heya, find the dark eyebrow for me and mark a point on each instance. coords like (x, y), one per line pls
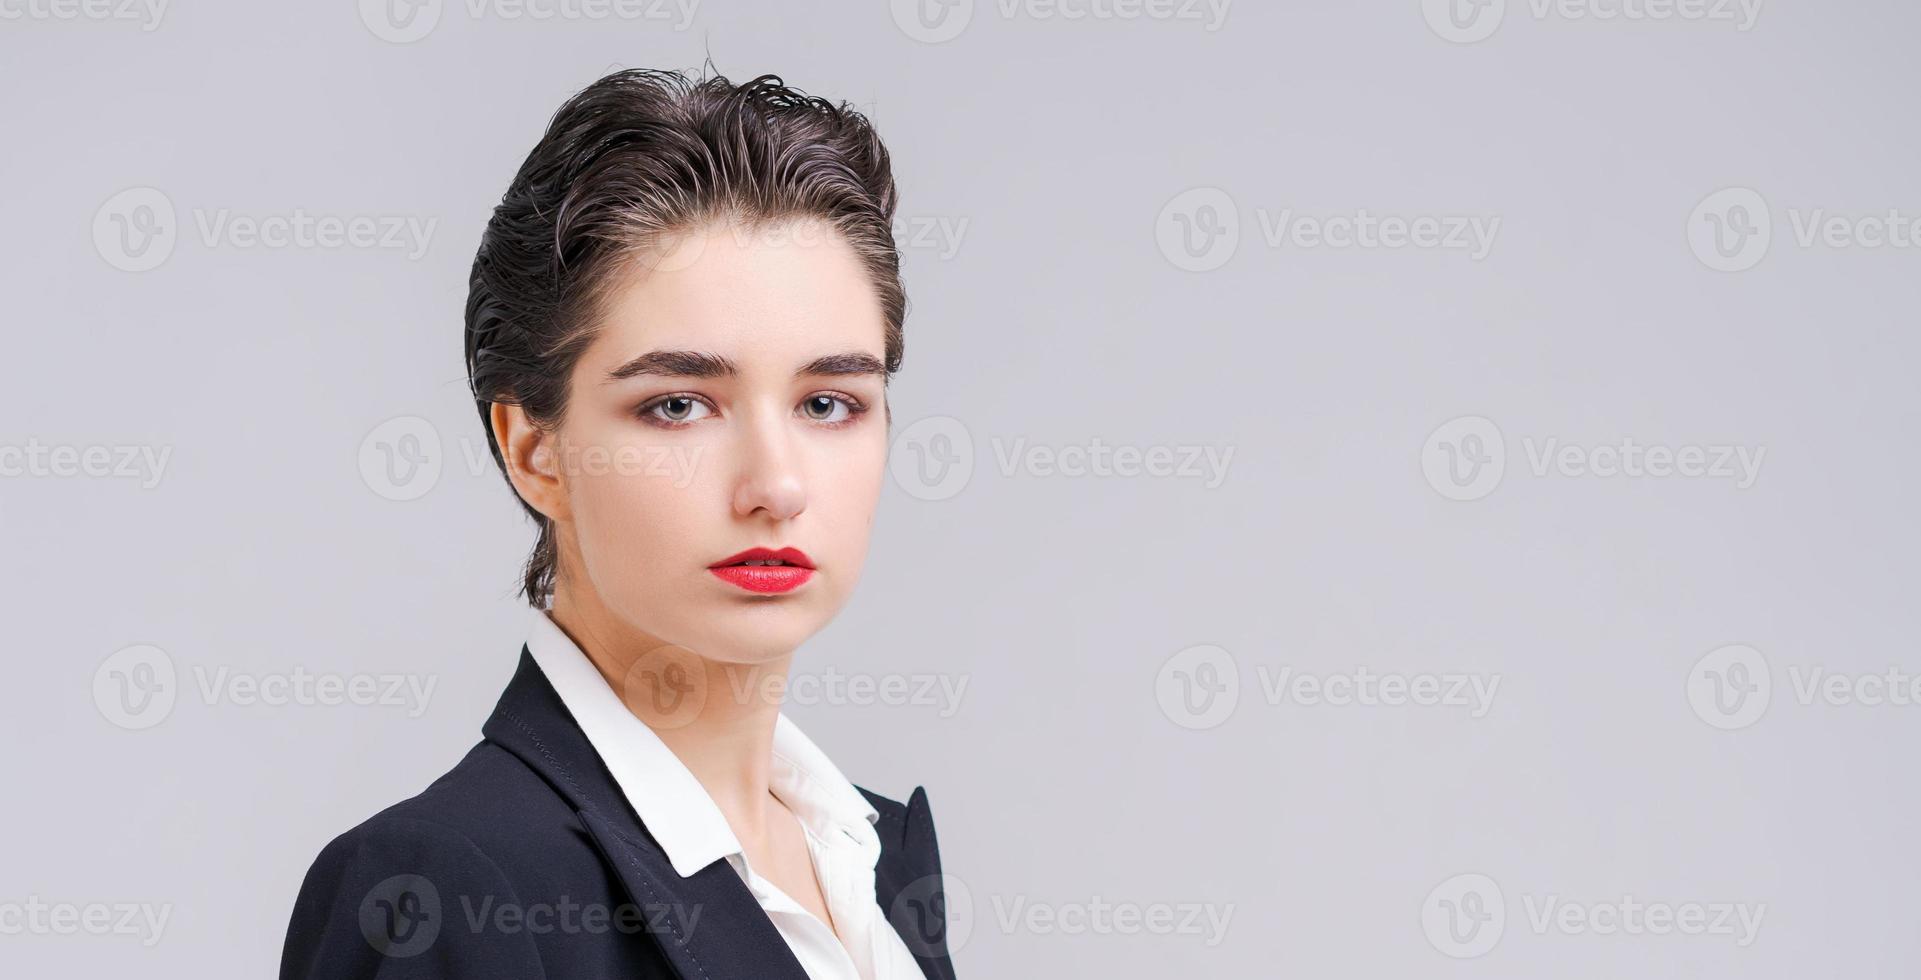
(675, 363)
(841, 365)
(698, 364)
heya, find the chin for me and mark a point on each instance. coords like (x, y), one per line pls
(754, 630)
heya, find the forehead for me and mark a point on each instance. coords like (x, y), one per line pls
(778, 293)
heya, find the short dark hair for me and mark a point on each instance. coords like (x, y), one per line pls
(630, 161)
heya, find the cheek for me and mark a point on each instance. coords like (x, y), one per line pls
(638, 515)
(845, 493)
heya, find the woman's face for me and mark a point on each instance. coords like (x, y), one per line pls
(732, 399)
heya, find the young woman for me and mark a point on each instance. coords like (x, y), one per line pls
(681, 324)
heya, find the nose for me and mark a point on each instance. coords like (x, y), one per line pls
(769, 480)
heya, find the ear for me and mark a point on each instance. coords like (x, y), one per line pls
(532, 457)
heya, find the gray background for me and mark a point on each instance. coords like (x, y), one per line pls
(1054, 146)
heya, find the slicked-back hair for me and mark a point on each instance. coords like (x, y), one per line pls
(630, 162)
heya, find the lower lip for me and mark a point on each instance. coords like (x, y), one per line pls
(764, 579)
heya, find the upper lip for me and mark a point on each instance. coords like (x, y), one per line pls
(792, 556)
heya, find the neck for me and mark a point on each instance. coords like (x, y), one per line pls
(717, 717)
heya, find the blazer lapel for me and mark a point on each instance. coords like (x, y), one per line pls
(708, 925)
(909, 886)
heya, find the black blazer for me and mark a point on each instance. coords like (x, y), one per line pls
(525, 861)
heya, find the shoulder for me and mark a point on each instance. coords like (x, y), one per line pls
(396, 884)
(490, 808)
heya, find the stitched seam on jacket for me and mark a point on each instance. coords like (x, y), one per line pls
(549, 756)
(679, 940)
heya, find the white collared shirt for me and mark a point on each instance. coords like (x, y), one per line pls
(679, 813)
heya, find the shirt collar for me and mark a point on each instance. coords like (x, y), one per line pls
(675, 808)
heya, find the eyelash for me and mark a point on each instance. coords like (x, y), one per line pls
(855, 409)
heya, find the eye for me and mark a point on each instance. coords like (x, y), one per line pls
(831, 408)
(676, 410)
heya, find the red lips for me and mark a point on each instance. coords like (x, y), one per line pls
(794, 570)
